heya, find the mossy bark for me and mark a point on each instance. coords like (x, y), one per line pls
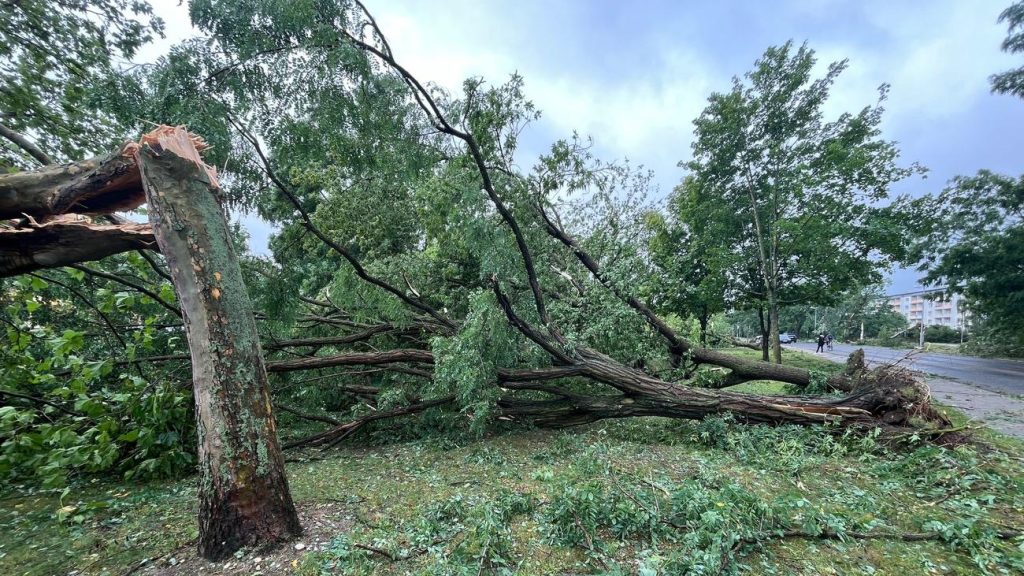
(243, 495)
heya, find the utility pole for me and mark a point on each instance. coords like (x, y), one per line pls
(921, 337)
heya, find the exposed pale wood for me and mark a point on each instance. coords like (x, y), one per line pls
(64, 242)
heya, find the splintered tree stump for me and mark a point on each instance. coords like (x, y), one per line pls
(243, 495)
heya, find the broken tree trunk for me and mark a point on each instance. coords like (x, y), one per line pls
(243, 496)
(886, 397)
(63, 242)
(40, 233)
(889, 397)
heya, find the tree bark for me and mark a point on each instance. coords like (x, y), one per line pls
(764, 334)
(65, 242)
(773, 325)
(19, 140)
(243, 493)
(100, 185)
(889, 398)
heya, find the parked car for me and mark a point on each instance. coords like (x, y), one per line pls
(787, 338)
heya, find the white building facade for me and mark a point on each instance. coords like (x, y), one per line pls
(932, 307)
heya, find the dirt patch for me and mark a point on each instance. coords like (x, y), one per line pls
(322, 522)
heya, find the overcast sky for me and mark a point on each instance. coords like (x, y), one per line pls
(634, 75)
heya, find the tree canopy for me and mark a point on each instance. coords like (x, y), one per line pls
(416, 268)
(61, 67)
(1012, 81)
(798, 198)
(975, 246)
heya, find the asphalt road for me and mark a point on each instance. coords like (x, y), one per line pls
(1003, 376)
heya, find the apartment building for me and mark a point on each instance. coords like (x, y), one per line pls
(932, 307)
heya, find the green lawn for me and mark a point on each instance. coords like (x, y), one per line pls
(796, 358)
(647, 496)
(643, 496)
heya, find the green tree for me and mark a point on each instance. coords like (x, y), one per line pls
(975, 246)
(803, 191)
(861, 308)
(60, 71)
(1012, 81)
(410, 241)
(690, 252)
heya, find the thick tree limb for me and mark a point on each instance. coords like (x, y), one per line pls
(742, 370)
(341, 340)
(677, 344)
(97, 186)
(525, 328)
(352, 359)
(63, 242)
(690, 404)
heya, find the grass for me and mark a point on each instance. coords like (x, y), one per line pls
(589, 500)
(639, 496)
(795, 358)
(98, 528)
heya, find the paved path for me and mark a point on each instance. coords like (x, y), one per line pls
(1002, 376)
(982, 388)
(999, 412)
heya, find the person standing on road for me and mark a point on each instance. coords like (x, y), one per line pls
(828, 341)
(821, 343)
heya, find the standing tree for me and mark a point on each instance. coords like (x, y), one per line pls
(243, 495)
(975, 241)
(975, 246)
(862, 312)
(802, 191)
(691, 254)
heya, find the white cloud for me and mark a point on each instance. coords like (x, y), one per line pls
(648, 121)
(936, 56)
(177, 27)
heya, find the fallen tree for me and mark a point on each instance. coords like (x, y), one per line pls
(63, 241)
(636, 390)
(551, 374)
(38, 228)
(890, 398)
